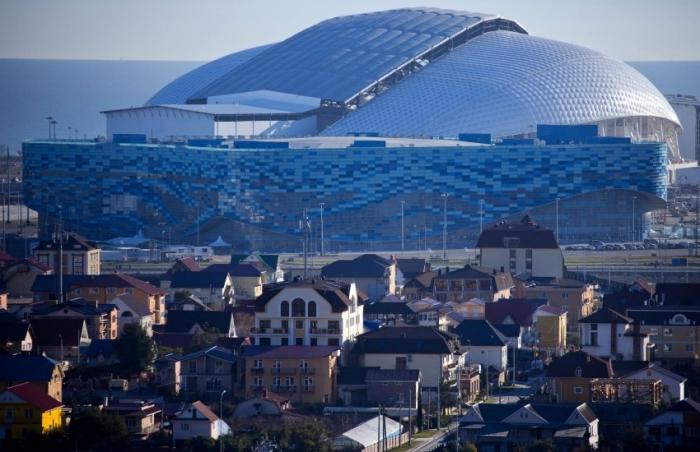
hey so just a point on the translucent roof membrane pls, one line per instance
(505, 83)
(179, 90)
(339, 57)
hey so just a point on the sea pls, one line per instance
(74, 92)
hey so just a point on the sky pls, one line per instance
(201, 30)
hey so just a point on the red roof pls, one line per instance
(4, 257)
(34, 396)
(520, 313)
(190, 264)
(143, 286)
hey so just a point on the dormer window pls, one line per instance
(578, 372)
(511, 242)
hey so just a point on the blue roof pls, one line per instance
(215, 352)
(339, 57)
(17, 368)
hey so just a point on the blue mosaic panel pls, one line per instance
(255, 197)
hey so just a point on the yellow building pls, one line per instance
(577, 297)
(674, 330)
(40, 371)
(80, 256)
(550, 326)
(569, 377)
(303, 374)
(25, 409)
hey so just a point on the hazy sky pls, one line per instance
(206, 29)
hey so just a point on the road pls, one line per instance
(432, 443)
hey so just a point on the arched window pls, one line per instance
(312, 309)
(284, 309)
(298, 308)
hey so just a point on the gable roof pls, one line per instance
(480, 333)
(133, 303)
(26, 368)
(353, 375)
(234, 269)
(34, 396)
(190, 264)
(422, 281)
(78, 305)
(526, 234)
(271, 260)
(204, 411)
(685, 294)
(663, 315)
(214, 351)
(364, 266)
(521, 313)
(199, 280)
(290, 351)
(71, 241)
(398, 308)
(336, 293)
(54, 331)
(97, 347)
(686, 406)
(501, 280)
(606, 315)
(411, 267)
(591, 366)
(12, 329)
(183, 321)
(31, 263)
(508, 330)
(407, 339)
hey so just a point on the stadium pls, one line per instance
(406, 120)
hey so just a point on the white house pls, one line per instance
(312, 312)
(485, 344)
(609, 334)
(215, 289)
(132, 310)
(198, 420)
(673, 384)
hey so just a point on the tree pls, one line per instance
(302, 437)
(469, 447)
(542, 445)
(134, 349)
(91, 429)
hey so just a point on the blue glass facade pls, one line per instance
(254, 197)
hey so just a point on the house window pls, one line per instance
(308, 383)
(400, 362)
(334, 325)
(578, 390)
(512, 253)
(77, 264)
(93, 290)
(578, 372)
(299, 341)
(213, 384)
(528, 254)
(264, 324)
(668, 347)
(334, 342)
(285, 341)
(298, 308)
(303, 364)
(276, 364)
(257, 381)
(257, 364)
(312, 309)
(289, 381)
(668, 332)
(185, 427)
(276, 381)
(111, 290)
(484, 284)
(594, 334)
(314, 341)
(299, 324)
(528, 265)
(264, 341)
(285, 324)
(284, 309)
(689, 347)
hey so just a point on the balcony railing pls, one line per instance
(257, 370)
(283, 388)
(324, 330)
(261, 330)
(307, 370)
(284, 370)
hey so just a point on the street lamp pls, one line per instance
(481, 216)
(557, 218)
(323, 250)
(634, 236)
(444, 226)
(402, 239)
(221, 415)
(49, 119)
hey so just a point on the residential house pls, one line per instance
(247, 279)
(674, 331)
(191, 303)
(366, 436)
(472, 309)
(579, 376)
(130, 310)
(485, 345)
(60, 338)
(522, 247)
(80, 256)
(200, 322)
(142, 417)
(437, 354)
(208, 371)
(577, 297)
(102, 289)
(16, 336)
(269, 264)
(411, 267)
(549, 328)
(390, 313)
(267, 404)
(430, 313)
(215, 289)
(312, 312)
(302, 374)
(167, 372)
(197, 420)
(569, 376)
(18, 276)
(26, 410)
(99, 353)
(44, 373)
(517, 426)
(472, 282)
(677, 428)
(100, 319)
(372, 274)
(352, 384)
(419, 286)
(394, 387)
(514, 312)
(609, 334)
(673, 385)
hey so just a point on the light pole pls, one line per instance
(53, 123)
(481, 216)
(49, 119)
(402, 240)
(221, 415)
(444, 226)
(634, 236)
(323, 249)
(557, 219)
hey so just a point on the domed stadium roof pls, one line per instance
(431, 72)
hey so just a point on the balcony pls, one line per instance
(257, 370)
(283, 388)
(284, 371)
(309, 388)
(307, 370)
(269, 330)
(324, 331)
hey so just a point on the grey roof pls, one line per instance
(26, 368)
(400, 339)
(478, 332)
(234, 269)
(591, 366)
(217, 352)
(508, 330)
(606, 315)
(353, 375)
(411, 267)
(337, 294)
(524, 234)
(183, 321)
(663, 315)
(364, 266)
(199, 280)
(398, 308)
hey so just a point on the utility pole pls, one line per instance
(481, 216)
(444, 226)
(697, 214)
(634, 236)
(402, 236)
(197, 223)
(323, 249)
(557, 219)
(60, 254)
(438, 394)
(410, 425)
(305, 226)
